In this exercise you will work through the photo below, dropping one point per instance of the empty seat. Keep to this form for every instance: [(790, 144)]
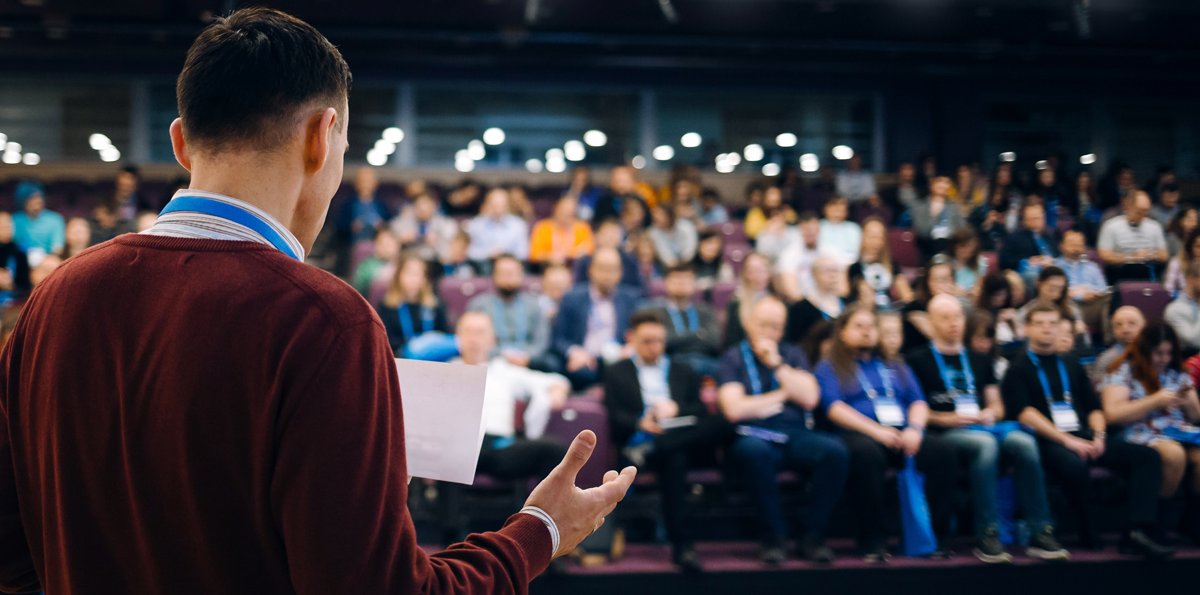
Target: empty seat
[(735, 255), (733, 232), (1148, 296), (903, 244), (455, 294), (579, 414)]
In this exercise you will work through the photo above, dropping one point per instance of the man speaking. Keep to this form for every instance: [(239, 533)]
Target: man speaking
[(194, 410)]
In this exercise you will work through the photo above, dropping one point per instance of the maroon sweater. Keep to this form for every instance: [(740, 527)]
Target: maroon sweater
[(205, 416)]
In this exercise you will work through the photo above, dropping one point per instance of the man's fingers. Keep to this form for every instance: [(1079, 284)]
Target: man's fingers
[(577, 455), (614, 491), (611, 475)]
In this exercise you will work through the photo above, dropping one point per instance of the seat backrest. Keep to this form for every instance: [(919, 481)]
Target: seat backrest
[(722, 292), (380, 283), (733, 232), (657, 289), (455, 293), (903, 244), (992, 259), (579, 414), (1148, 296), (361, 251), (735, 255)]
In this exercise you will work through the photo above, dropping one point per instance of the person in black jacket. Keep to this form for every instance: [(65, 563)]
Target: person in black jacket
[(693, 332), (1032, 248), (656, 416)]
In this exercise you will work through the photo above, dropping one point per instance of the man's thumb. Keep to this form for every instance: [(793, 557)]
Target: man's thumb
[(578, 454)]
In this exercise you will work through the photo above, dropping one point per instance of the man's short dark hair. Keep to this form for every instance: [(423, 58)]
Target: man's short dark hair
[(1170, 187), (1040, 307), (683, 267), (131, 170), (806, 216), (645, 317), (247, 75)]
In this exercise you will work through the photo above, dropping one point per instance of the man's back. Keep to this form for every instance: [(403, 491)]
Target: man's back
[(203, 416)]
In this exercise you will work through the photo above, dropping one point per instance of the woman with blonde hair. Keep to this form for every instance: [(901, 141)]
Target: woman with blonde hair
[(410, 308), (875, 270), (754, 282)]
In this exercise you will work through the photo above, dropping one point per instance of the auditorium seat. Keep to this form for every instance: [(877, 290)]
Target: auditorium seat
[(722, 292), (1148, 296), (733, 233), (379, 284), (903, 244), (582, 413), (360, 252), (992, 259), (455, 293), (735, 255)]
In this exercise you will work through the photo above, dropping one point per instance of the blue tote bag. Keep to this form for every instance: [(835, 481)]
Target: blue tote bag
[(919, 540)]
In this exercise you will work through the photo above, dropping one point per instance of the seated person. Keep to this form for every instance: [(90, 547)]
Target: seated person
[(1127, 322), (591, 321), (643, 394), (996, 297), (1132, 245), (795, 262), (556, 280), (693, 334), (878, 406), (1031, 248), (969, 266), (387, 250), (935, 279), (1189, 251), (497, 231), (1054, 398), (710, 264), (936, 218), (964, 403), (842, 238), (610, 235), (455, 263), (891, 334), (410, 308), (1085, 280), (522, 332), (758, 215), (37, 230), (14, 265), (777, 236), (424, 229), (1182, 314), (766, 390), (823, 303), (674, 238), (649, 268), (1051, 288), (711, 211), (562, 237), (106, 223), (876, 268), (754, 282)]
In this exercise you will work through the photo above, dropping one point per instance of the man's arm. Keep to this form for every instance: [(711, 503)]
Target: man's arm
[(1178, 316), (738, 406)]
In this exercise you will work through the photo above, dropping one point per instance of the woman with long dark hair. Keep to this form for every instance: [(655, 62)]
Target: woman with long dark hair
[(1145, 395), (996, 298), (1053, 288), (1174, 280), (881, 411)]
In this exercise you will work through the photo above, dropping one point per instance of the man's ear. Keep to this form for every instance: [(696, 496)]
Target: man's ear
[(318, 138), (179, 146)]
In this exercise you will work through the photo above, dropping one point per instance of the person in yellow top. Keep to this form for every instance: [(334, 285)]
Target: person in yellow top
[(757, 217), (562, 237)]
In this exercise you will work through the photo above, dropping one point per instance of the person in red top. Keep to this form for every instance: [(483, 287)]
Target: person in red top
[(194, 410)]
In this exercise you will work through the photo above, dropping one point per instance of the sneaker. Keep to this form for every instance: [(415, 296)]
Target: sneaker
[(813, 549), (772, 553), (1138, 543), (875, 551), (684, 556), (1044, 546), (989, 550), (944, 550)]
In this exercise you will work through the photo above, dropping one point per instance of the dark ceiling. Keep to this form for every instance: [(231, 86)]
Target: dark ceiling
[(644, 39)]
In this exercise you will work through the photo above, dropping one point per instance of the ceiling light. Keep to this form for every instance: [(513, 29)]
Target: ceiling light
[(786, 139), (1043, 164), (809, 162), (638, 162), (557, 166), (595, 138), (3, 139), (385, 146), (1088, 159), (13, 147), (574, 151), (493, 136), (733, 158), (376, 157), (99, 141), (663, 152), (1008, 156), (109, 154), (11, 158), (691, 140), (476, 150), (464, 165), (534, 166), (393, 135), (771, 169), (842, 152), (32, 159), (555, 155), (753, 152)]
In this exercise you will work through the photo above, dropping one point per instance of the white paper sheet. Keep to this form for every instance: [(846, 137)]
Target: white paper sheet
[(443, 418)]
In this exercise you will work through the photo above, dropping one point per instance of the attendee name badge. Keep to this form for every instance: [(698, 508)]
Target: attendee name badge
[(889, 412), (966, 405), (1065, 417), (940, 232)]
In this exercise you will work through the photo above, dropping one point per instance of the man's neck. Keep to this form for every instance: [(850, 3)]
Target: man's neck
[(258, 181), (1043, 350), (948, 347), (604, 293), (473, 360), (35, 214), (682, 303)]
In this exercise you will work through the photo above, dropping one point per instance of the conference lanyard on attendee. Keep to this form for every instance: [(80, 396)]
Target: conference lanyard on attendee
[(406, 325), (752, 371), (1042, 246), (1062, 374), (870, 389), (887, 409), (966, 369), (521, 335), (693, 321), (208, 206)]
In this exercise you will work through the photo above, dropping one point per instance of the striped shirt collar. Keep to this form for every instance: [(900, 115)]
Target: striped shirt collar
[(187, 224)]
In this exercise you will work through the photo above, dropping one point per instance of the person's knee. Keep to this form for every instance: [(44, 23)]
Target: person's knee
[(1022, 447), (752, 453), (1172, 457), (866, 452), (834, 453)]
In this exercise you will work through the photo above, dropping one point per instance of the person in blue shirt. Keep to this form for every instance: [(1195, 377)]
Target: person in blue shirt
[(37, 231), (359, 217), (766, 390), (881, 411)]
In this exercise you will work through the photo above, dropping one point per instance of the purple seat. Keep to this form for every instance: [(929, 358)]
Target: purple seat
[(379, 284), (543, 209), (903, 244), (532, 284), (733, 232), (585, 414), (721, 294), (455, 294), (657, 289), (1148, 296), (992, 259), (360, 252), (735, 255)]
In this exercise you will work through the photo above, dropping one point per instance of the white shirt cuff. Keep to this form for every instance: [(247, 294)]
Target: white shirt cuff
[(550, 526)]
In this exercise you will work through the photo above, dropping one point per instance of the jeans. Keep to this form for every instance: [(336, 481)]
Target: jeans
[(984, 452), (819, 453), (701, 364)]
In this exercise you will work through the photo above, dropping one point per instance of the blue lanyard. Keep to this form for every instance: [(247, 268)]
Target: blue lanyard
[(867, 386), (693, 325), (521, 335), (1042, 246), (966, 367), (1062, 375), (406, 325), (752, 371), (208, 206)]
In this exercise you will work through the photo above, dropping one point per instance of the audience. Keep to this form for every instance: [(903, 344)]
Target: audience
[(497, 231), (409, 308), (556, 280), (455, 263), (610, 235), (1173, 280), (591, 321), (38, 230), (522, 332), (935, 219), (841, 238), (361, 215), (1180, 227), (854, 183), (1127, 322), (875, 275), (658, 420), (766, 389), (1132, 245), (78, 238), (822, 303), (935, 279), (14, 264), (1033, 247), (384, 255), (423, 229), (754, 283), (795, 263), (711, 211), (1183, 314), (969, 266), (674, 239), (106, 224), (710, 264), (693, 333), (561, 238)]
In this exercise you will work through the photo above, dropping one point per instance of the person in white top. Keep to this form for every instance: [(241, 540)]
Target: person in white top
[(1132, 240), (796, 261), (853, 183), (497, 231), (1183, 314), (842, 237)]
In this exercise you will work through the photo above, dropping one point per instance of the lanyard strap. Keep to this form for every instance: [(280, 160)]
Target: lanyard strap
[(1042, 246), (693, 322), (966, 368), (869, 388), (406, 325), (752, 371), (1062, 375), (522, 334), (216, 208)]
